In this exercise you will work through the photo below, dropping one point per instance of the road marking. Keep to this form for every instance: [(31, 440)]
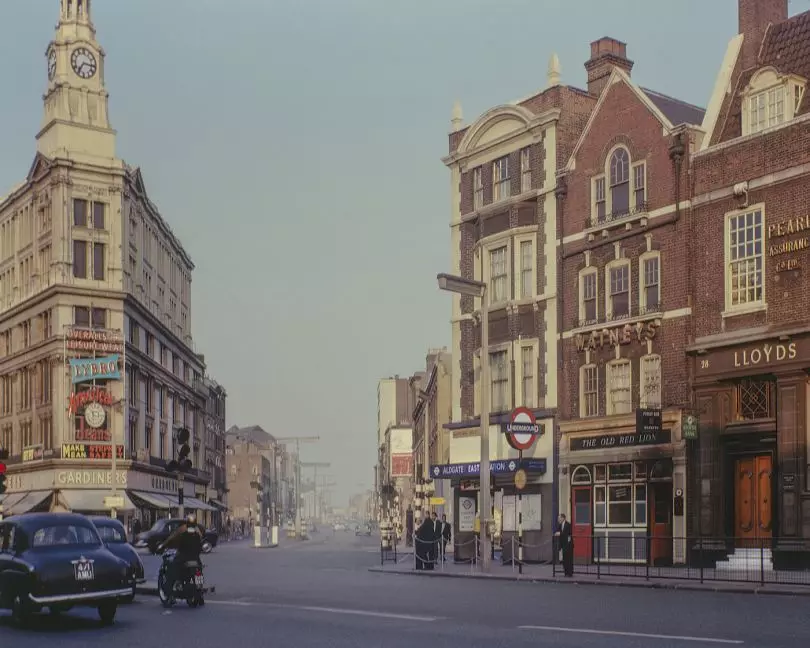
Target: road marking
[(643, 635), (329, 610)]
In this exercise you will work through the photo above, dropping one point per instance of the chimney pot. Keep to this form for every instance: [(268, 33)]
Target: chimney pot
[(606, 53), (754, 17)]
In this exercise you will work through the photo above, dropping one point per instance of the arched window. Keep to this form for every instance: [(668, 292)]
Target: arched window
[(620, 182), (581, 475)]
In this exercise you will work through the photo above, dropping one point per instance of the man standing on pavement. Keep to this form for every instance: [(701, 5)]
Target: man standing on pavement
[(447, 534), (566, 545), (438, 530)]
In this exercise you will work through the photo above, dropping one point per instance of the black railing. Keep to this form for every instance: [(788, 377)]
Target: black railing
[(765, 561), (608, 219), (636, 310)]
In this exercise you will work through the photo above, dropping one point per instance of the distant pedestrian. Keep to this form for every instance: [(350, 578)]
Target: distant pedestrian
[(566, 545), (438, 531), (447, 536), (423, 542)]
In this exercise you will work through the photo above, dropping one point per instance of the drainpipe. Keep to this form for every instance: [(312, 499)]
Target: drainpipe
[(560, 192)]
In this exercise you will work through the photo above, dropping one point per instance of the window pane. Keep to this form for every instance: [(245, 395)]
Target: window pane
[(80, 212), (81, 316), (620, 388), (526, 266), (746, 258), (80, 259), (98, 261), (582, 506), (99, 318), (98, 215)]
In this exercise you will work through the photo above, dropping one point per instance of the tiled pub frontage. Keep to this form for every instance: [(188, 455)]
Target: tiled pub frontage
[(750, 461)]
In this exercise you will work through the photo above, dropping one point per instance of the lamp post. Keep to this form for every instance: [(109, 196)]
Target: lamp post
[(478, 289)]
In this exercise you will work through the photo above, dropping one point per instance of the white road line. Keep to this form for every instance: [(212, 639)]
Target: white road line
[(328, 610), (643, 635)]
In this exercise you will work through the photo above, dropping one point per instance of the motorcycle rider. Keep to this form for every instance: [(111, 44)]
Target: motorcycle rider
[(187, 539)]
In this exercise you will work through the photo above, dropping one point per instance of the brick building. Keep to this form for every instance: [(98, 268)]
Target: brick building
[(624, 314), (503, 232), (751, 349)]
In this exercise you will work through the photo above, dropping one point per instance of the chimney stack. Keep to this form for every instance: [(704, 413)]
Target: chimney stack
[(606, 53), (754, 17)]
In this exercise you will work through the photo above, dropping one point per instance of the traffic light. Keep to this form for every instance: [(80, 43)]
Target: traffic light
[(3, 457), (181, 463)]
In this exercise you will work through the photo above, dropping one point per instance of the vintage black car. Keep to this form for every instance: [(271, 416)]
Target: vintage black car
[(162, 529), (58, 561), (114, 535)]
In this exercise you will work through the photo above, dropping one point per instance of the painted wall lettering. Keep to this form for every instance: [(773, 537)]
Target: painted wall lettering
[(793, 232)]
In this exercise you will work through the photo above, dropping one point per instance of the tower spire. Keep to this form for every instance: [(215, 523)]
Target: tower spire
[(75, 11)]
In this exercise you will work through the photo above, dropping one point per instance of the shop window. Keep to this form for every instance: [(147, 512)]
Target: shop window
[(581, 475), (639, 471), (620, 505), (755, 399), (620, 472), (599, 473), (599, 506)]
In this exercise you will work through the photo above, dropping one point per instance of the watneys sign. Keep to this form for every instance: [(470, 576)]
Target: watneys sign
[(639, 332)]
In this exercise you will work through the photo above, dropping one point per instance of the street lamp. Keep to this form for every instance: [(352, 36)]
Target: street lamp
[(478, 289)]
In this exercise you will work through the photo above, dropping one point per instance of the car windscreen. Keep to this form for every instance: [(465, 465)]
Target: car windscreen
[(55, 535), (110, 533), (157, 526)]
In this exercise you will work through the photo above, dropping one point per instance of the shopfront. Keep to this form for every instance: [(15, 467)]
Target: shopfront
[(752, 454), (623, 489), (535, 505)]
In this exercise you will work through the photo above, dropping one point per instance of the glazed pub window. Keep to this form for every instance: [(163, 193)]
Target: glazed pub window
[(745, 259), (527, 375), (525, 169), (619, 388), (498, 276), (478, 187), (499, 378), (623, 501), (589, 391), (588, 287), (501, 184), (619, 182), (650, 382), (651, 283), (526, 269), (619, 287)]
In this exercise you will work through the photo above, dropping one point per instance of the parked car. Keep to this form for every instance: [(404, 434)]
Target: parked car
[(58, 561), (114, 536), (363, 530), (162, 529)]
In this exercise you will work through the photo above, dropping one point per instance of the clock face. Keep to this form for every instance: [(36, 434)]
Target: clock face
[(83, 63), (94, 415), (51, 65)]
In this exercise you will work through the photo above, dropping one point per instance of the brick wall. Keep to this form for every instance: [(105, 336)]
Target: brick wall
[(624, 119)]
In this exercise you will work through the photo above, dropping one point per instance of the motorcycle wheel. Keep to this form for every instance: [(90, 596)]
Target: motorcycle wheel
[(206, 547), (165, 600)]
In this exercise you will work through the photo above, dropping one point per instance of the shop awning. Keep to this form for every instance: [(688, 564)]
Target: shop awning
[(27, 502), (217, 504), (87, 501), (196, 504), (155, 500), (10, 500)]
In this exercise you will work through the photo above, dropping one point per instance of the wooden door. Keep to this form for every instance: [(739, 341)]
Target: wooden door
[(660, 497), (582, 524), (753, 506)]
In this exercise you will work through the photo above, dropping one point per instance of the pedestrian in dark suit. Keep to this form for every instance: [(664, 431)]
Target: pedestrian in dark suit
[(423, 544), (447, 535), (566, 545)]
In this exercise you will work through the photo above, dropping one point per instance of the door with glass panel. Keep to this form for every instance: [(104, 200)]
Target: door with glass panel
[(582, 525)]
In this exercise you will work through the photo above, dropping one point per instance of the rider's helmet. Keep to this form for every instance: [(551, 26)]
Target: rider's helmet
[(191, 518)]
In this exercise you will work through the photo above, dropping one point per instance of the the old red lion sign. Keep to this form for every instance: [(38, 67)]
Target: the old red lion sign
[(522, 430)]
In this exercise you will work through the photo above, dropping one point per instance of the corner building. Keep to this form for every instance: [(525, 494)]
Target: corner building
[(85, 253), (503, 232), (624, 303), (751, 354)]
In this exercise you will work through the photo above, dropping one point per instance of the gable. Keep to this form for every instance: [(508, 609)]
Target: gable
[(39, 167), (496, 124)]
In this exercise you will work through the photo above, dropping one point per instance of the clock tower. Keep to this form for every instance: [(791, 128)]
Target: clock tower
[(76, 122)]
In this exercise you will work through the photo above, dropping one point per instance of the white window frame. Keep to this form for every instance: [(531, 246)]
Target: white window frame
[(505, 278), (478, 187), (584, 410), (525, 169), (495, 348), (763, 86), (650, 373), (595, 183), (634, 176), (585, 272), (604, 176), (613, 265), (644, 307), (748, 306), (501, 182), (533, 347), (507, 382), (611, 388), (519, 270)]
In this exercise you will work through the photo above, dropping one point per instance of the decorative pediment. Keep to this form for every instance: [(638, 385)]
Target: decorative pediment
[(496, 123), (137, 180), (39, 167)]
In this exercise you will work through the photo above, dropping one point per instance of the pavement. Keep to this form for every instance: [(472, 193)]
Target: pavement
[(320, 593)]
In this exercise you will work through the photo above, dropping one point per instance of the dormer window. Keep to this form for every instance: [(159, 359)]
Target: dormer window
[(770, 99)]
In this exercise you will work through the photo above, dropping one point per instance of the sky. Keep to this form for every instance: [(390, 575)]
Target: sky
[(295, 148)]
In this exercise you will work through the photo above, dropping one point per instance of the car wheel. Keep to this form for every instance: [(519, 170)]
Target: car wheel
[(107, 611), (21, 611)]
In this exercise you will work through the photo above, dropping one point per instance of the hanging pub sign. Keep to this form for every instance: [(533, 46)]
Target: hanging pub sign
[(86, 340), (87, 369), (648, 420), (90, 451)]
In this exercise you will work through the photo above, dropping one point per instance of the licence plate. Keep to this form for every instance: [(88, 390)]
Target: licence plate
[(83, 570), (199, 580)]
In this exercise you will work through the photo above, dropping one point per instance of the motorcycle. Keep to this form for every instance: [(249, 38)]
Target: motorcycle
[(190, 585)]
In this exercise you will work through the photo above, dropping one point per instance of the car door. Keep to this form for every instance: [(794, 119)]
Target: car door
[(4, 557)]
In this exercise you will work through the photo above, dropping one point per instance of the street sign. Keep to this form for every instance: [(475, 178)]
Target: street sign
[(522, 430), (689, 428), (437, 501), (520, 479), (114, 502)]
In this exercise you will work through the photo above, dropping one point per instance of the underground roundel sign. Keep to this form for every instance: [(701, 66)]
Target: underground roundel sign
[(522, 430)]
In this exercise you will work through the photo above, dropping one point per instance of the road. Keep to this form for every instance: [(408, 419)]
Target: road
[(320, 594)]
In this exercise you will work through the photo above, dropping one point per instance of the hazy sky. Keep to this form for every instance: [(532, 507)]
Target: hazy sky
[(295, 148)]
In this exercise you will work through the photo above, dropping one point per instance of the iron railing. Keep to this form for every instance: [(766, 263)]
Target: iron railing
[(767, 561)]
